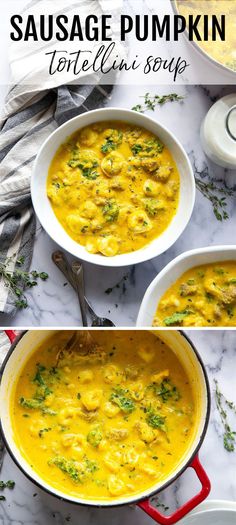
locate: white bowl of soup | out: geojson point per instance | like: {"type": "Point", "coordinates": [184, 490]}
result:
{"type": "Point", "coordinates": [106, 417]}
{"type": "Point", "coordinates": [197, 288]}
{"type": "Point", "coordinates": [113, 187]}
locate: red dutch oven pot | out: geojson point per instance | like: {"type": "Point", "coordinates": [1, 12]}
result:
{"type": "Point", "coordinates": [22, 346]}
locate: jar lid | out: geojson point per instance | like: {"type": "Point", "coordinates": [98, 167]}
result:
{"type": "Point", "coordinates": [231, 122]}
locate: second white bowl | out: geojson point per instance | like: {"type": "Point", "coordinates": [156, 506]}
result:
{"type": "Point", "coordinates": [173, 271]}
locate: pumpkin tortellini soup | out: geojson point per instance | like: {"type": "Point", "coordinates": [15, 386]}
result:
{"type": "Point", "coordinates": [202, 296]}
{"type": "Point", "coordinates": [104, 416]}
{"type": "Point", "coordinates": [114, 187]}
{"type": "Point", "coordinates": [223, 51]}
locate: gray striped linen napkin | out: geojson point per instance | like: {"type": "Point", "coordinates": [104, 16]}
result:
{"type": "Point", "coordinates": [31, 114]}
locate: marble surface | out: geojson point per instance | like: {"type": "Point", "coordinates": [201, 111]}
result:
{"type": "Point", "coordinates": [27, 505]}
{"type": "Point", "coordinates": [55, 304]}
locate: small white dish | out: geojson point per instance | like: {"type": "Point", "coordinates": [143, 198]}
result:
{"type": "Point", "coordinates": [173, 271]}
{"type": "Point", "coordinates": [211, 512]}
{"type": "Point", "coordinates": [46, 214]}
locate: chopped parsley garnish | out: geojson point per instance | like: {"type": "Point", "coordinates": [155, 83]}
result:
{"type": "Point", "coordinates": [166, 390]}
{"type": "Point", "coordinates": [112, 141]}
{"type": "Point", "coordinates": [111, 211]}
{"type": "Point", "coordinates": [43, 430]}
{"type": "Point", "coordinates": [67, 466]}
{"type": "Point", "coordinates": [94, 437]}
{"type": "Point", "coordinates": [89, 173]}
{"type": "Point", "coordinates": [154, 420]}
{"type": "Point", "coordinates": [136, 148]}
{"type": "Point", "coordinates": [121, 398]}
{"type": "Point", "coordinates": [176, 318]}
{"type": "Point", "coordinates": [151, 206]}
{"type": "Point", "coordinates": [70, 467]}
{"type": "Point", "coordinates": [30, 403]}
{"type": "Point", "coordinates": [38, 378]}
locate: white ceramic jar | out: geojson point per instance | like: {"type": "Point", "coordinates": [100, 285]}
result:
{"type": "Point", "coordinates": [218, 132]}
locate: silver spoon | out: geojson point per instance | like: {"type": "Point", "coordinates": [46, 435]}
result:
{"type": "Point", "coordinates": [62, 263]}
{"type": "Point", "coordinates": [77, 270]}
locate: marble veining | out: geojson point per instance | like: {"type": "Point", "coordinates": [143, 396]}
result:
{"type": "Point", "coordinates": [28, 505]}
{"type": "Point", "coordinates": [54, 303]}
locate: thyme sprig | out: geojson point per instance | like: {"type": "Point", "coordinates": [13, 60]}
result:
{"type": "Point", "coordinates": [152, 101]}
{"type": "Point", "coordinates": [6, 485]}
{"type": "Point", "coordinates": [229, 436]}
{"type": "Point", "coordinates": [216, 195]}
{"type": "Point", "coordinates": [17, 280]}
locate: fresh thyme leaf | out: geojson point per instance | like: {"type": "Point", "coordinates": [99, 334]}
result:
{"type": "Point", "coordinates": [20, 260]}
{"type": "Point", "coordinates": [215, 191]}
{"type": "Point", "coordinates": [43, 276]}
{"type": "Point", "coordinates": [158, 504]}
{"type": "Point", "coordinates": [7, 484]}
{"type": "Point", "coordinates": [229, 436]}
{"type": "Point", "coordinates": [152, 101]}
{"type": "Point", "coordinates": [17, 279]}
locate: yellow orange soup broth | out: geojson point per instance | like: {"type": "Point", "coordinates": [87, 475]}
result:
{"type": "Point", "coordinates": [119, 452]}
{"type": "Point", "coordinates": [222, 51]}
{"type": "Point", "coordinates": [113, 188]}
{"type": "Point", "coordinates": [203, 296]}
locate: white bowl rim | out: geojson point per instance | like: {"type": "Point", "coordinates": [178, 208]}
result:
{"type": "Point", "coordinates": [209, 507]}
{"type": "Point", "coordinates": [214, 505]}
{"type": "Point", "coordinates": [142, 254]}
{"type": "Point", "coordinates": [220, 249]}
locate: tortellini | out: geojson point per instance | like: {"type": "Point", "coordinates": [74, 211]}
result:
{"type": "Point", "coordinates": [139, 222]}
{"type": "Point", "coordinates": [92, 399]}
{"type": "Point", "coordinates": [87, 137]}
{"type": "Point", "coordinates": [108, 246]}
{"type": "Point", "coordinates": [112, 164]}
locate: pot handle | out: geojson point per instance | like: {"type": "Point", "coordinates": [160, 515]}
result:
{"type": "Point", "coordinates": [188, 506]}
{"type": "Point", "coordinates": [11, 334]}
